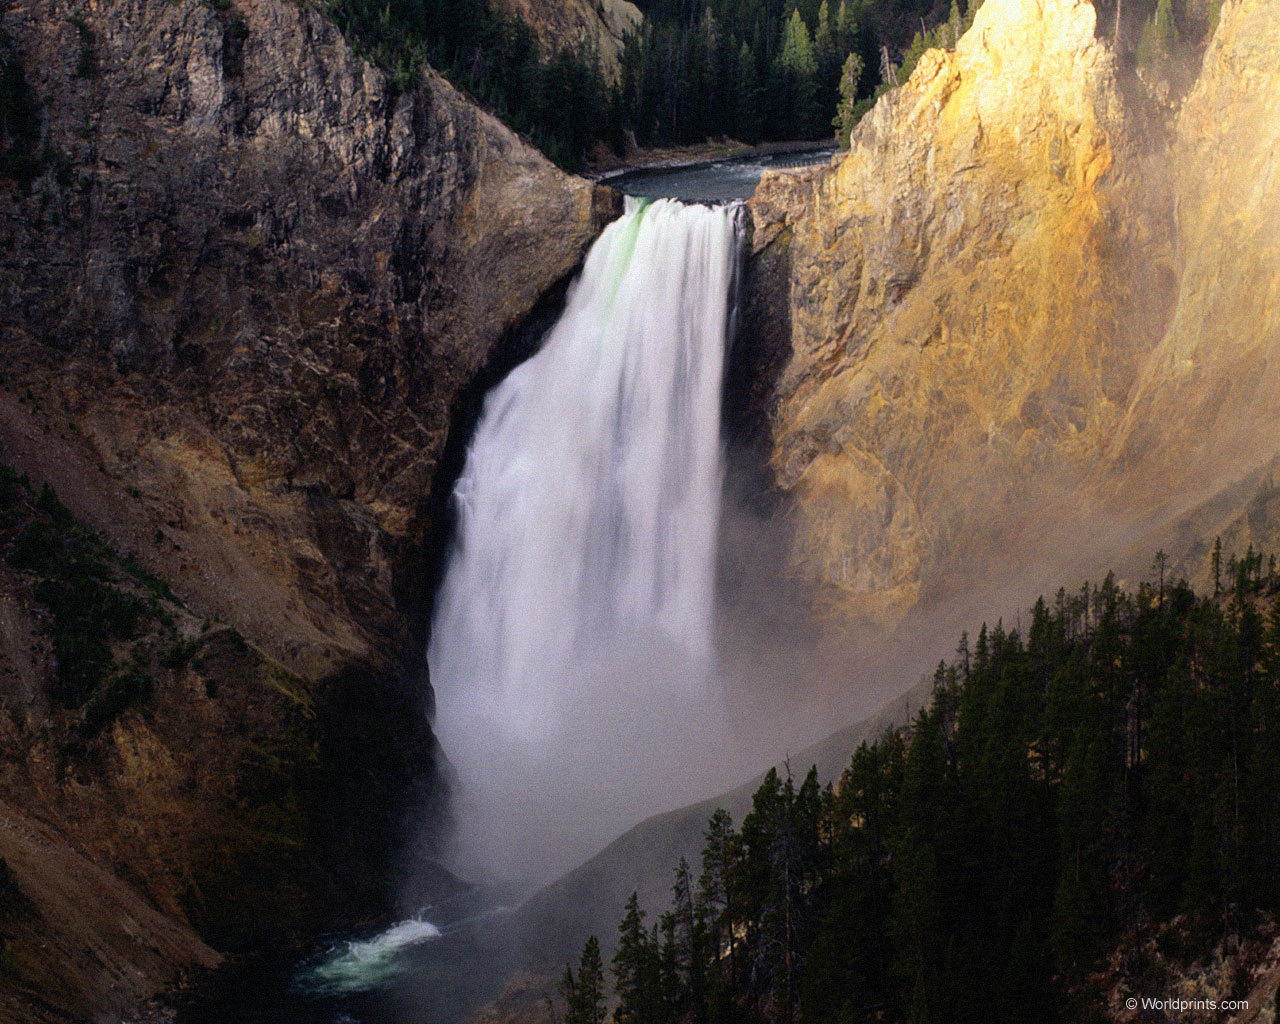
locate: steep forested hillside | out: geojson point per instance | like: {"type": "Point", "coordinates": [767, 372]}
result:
{"type": "Point", "coordinates": [1109, 774]}
{"type": "Point", "coordinates": [793, 69]}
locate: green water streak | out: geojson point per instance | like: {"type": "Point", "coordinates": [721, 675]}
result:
{"type": "Point", "coordinates": [622, 254]}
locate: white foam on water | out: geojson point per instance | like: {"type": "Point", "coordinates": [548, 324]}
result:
{"type": "Point", "coordinates": [360, 966]}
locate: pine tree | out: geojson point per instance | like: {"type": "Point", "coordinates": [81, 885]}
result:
{"type": "Point", "coordinates": [721, 857]}
{"type": "Point", "coordinates": [797, 53]}
{"type": "Point", "coordinates": [1159, 37]}
{"type": "Point", "coordinates": [1262, 830]}
{"type": "Point", "coordinates": [690, 939]}
{"type": "Point", "coordinates": [1124, 765]}
{"type": "Point", "coordinates": [824, 39]}
{"type": "Point", "coordinates": [888, 69]}
{"type": "Point", "coordinates": [672, 994]}
{"type": "Point", "coordinates": [845, 118]}
{"type": "Point", "coordinates": [635, 970]}
{"type": "Point", "coordinates": [1158, 565]}
{"type": "Point", "coordinates": [846, 27]}
{"type": "Point", "coordinates": [798, 67]}
{"type": "Point", "coordinates": [748, 116]}
{"type": "Point", "coordinates": [918, 921]}
{"type": "Point", "coordinates": [1165, 30]}
{"type": "Point", "coordinates": [568, 992]}
{"type": "Point", "coordinates": [970, 12]}
{"type": "Point", "coordinates": [1080, 912]}
{"type": "Point", "coordinates": [586, 996]}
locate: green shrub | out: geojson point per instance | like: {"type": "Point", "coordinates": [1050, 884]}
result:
{"type": "Point", "coordinates": [157, 587]}
{"type": "Point", "coordinates": [49, 503]}
{"type": "Point", "coordinates": [91, 606]}
{"type": "Point", "coordinates": [8, 487]}
{"type": "Point", "coordinates": [82, 660]}
{"type": "Point", "coordinates": [123, 612]}
{"type": "Point", "coordinates": [87, 62]}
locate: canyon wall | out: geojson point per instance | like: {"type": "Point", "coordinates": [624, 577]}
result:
{"type": "Point", "coordinates": [1024, 321]}
{"type": "Point", "coordinates": [248, 292]}
{"type": "Point", "coordinates": [1205, 405]}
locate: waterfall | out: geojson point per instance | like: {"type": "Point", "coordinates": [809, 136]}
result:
{"type": "Point", "coordinates": [575, 619]}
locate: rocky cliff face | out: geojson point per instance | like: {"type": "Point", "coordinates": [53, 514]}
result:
{"type": "Point", "coordinates": [283, 275]}
{"type": "Point", "coordinates": [248, 292]}
{"type": "Point", "coordinates": [1025, 306]}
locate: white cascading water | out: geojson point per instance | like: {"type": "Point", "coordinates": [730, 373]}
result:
{"type": "Point", "coordinates": [571, 649]}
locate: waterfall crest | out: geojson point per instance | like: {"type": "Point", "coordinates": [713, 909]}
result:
{"type": "Point", "coordinates": [579, 598]}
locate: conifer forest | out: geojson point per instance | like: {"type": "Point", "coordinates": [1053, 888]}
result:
{"type": "Point", "coordinates": [1111, 767]}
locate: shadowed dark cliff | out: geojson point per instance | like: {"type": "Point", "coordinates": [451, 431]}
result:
{"type": "Point", "coordinates": [247, 292]}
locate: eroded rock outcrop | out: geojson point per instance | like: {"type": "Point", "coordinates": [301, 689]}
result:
{"type": "Point", "coordinates": [989, 298]}
{"type": "Point", "coordinates": [248, 292]}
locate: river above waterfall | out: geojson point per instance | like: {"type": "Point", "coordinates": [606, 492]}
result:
{"type": "Point", "coordinates": [721, 181]}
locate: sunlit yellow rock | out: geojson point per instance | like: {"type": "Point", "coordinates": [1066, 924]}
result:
{"type": "Point", "coordinates": [1015, 302]}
